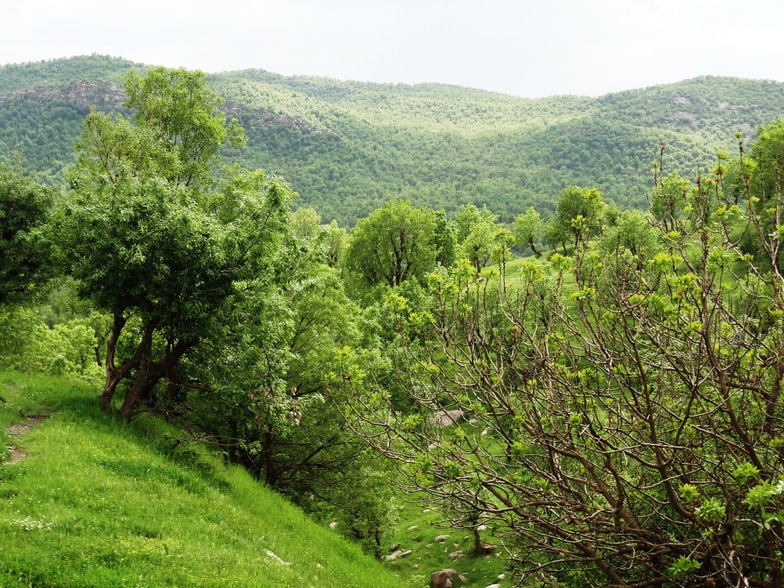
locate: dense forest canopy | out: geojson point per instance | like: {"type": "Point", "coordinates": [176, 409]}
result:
{"type": "Point", "coordinates": [347, 147]}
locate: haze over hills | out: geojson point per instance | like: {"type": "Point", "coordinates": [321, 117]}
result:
{"type": "Point", "coordinates": [346, 147]}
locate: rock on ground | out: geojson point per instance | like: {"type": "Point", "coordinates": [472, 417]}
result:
{"type": "Point", "coordinates": [442, 578]}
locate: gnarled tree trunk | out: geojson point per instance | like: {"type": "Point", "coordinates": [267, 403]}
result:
{"type": "Point", "coordinates": [151, 373]}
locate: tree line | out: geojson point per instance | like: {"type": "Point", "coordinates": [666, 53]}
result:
{"type": "Point", "coordinates": [349, 147]}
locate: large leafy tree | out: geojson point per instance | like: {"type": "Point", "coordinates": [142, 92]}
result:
{"type": "Point", "coordinates": [578, 216]}
{"type": "Point", "coordinates": [528, 230]}
{"type": "Point", "coordinates": [482, 241]}
{"type": "Point", "coordinates": [150, 239]}
{"type": "Point", "coordinates": [470, 215]}
{"type": "Point", "coordinates": [269, 394]}
{"type": "Point", "coordinates": [24, 258]}
{"type": "Point", "coordinates": [395, 243]}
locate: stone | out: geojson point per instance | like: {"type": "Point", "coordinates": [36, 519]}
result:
{"type": "Point", "coordinates": [441, 538]}
{"type": "Point", "coordinates": [394, 547]}
{"type": "Point", "coordinates": [271, 555]}
{"type": "Point", "coordinates": [494, 586]}
{"type": "Point", "coordinates": [445, 418]}
{"type": "Point", "coordinates": [333, 524]}
{"type": "Point", "coordinates": [442, 578]}
{"type": "Point", "coordinates": [455, 554]}
{"type": "Point", "coordinates": [395, 555]}
{"type": "Point", "coordinates": [463, 577]}
{"type": "Point", "coordinates": [412, 527]}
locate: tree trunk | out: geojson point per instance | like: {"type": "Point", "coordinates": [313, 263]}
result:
{"type": "Point", "coordinates": [150, 374]}
{"type": "Point", "coordinates": [271, 472]}
{"type": "Point", "coordinates": [479, 547]}
{"type": "Point", "coordinates": [114, 374]}
{"type": "Point", "coordinates": [534, 248]}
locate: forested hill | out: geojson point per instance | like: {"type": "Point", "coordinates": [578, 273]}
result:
{"type": "Point", "coordinates": [347, 146]}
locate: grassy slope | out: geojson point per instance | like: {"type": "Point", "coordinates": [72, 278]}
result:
{"type": "Point", "coordinates": [98, 503]}
{"type": "Point", "coordinates": [417, 531]}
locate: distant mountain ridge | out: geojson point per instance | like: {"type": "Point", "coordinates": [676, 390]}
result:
{"type": "Point", "coordinates": [347, 147]}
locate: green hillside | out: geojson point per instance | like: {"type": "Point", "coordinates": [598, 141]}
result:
{"type": "Point", "coordinates": [346, 147]}
{"type": "Point", "coordinates": [97, 503]}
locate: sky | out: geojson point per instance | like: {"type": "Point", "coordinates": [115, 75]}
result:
{"type": "Point", "coordinates": [529, 48]}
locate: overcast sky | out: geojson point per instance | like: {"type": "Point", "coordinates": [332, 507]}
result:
{"type": "Point", "coordinates": [525, 47]}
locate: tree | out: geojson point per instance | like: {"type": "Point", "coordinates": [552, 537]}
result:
{"type": "Point", "coordinates": [182, 112]}
{"type": "Point", "coordinates": [627, 406]}
{"type": "Point", "coordinates": [395, 243]}
{"type": "Point", "coordinates": [24, 257]}
{"type": "Point", "coordinates": [763, 185]}
{"type": "Point", "coordinates": [528, 230]}
{"type": "Point", "coordinates": [468, 216]}
{"type": "Point", "coordinates": [149, 238]}
{"type": "Point", "coordinates": [669, 199]}
{"type": "Point", "coordinates": [335, 244]}
{"type": "Point", "coordinates": [305, 224]}
{"type": "Point", "coordinates": [477, 247]}
{"type": "Point", "coordinates": [269, 394]}
{"type": "Point", "coordinates": [446, 240]}
{"type": "Point", "coordinates": [632, 233]}
{"type": "Point", "coordinates": [578, 214]}
{"type": "Point", "coordinates": [486, 241]}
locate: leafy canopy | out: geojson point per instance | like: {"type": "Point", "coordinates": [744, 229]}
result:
{"type": "Point", "coordinates": [395, 243]}
{"type": "Point", "coordinates": [152, 234]}
{"type": "Point", "coordinates": [24, 254]}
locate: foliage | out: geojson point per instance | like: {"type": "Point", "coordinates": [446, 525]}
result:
{"type": "Point", "coordinates": [529, 230]}
{"type": "Point", "coordinates": [395, 243]}
{"type": "Point", "coordinates": [445, 240]}
{"type": "Point", "coordinates": [578, 214]}
{"type": "Point", "coordinates": [68, 348]}
{"type": "Point", "coordinates": [262, 389]}
{"type": "Point", "coordinates": [181, 111]}
{"type": "Point", "coordinates": [620, 415]}
{"type": "Point", "coordinates": [150, 239]}
{"type": "Point", "coordinates": [632, 235]}
{"type": "Point", "coordinates": [469, 216]}
{"type": "Point", "coordinates": [476, 233]}
{"type": "Point", "coordinates": [348, 147]}
{"type": "Point", "coordinates": [24, 255]}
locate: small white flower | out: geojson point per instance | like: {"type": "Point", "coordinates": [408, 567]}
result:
{"type": "Point", "coordinates": [31, 524]}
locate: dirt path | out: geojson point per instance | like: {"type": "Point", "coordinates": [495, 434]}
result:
{"type": "Point", "coordinates": [17, 454]}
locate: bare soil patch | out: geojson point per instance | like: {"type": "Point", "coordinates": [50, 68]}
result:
{"type": "Point", "coordinates": [17, 454]}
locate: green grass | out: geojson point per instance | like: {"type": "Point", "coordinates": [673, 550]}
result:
{"type": "Point", "coordinates": [430, 555]}
{"type": "Point", "coordinates": [99, 503]}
